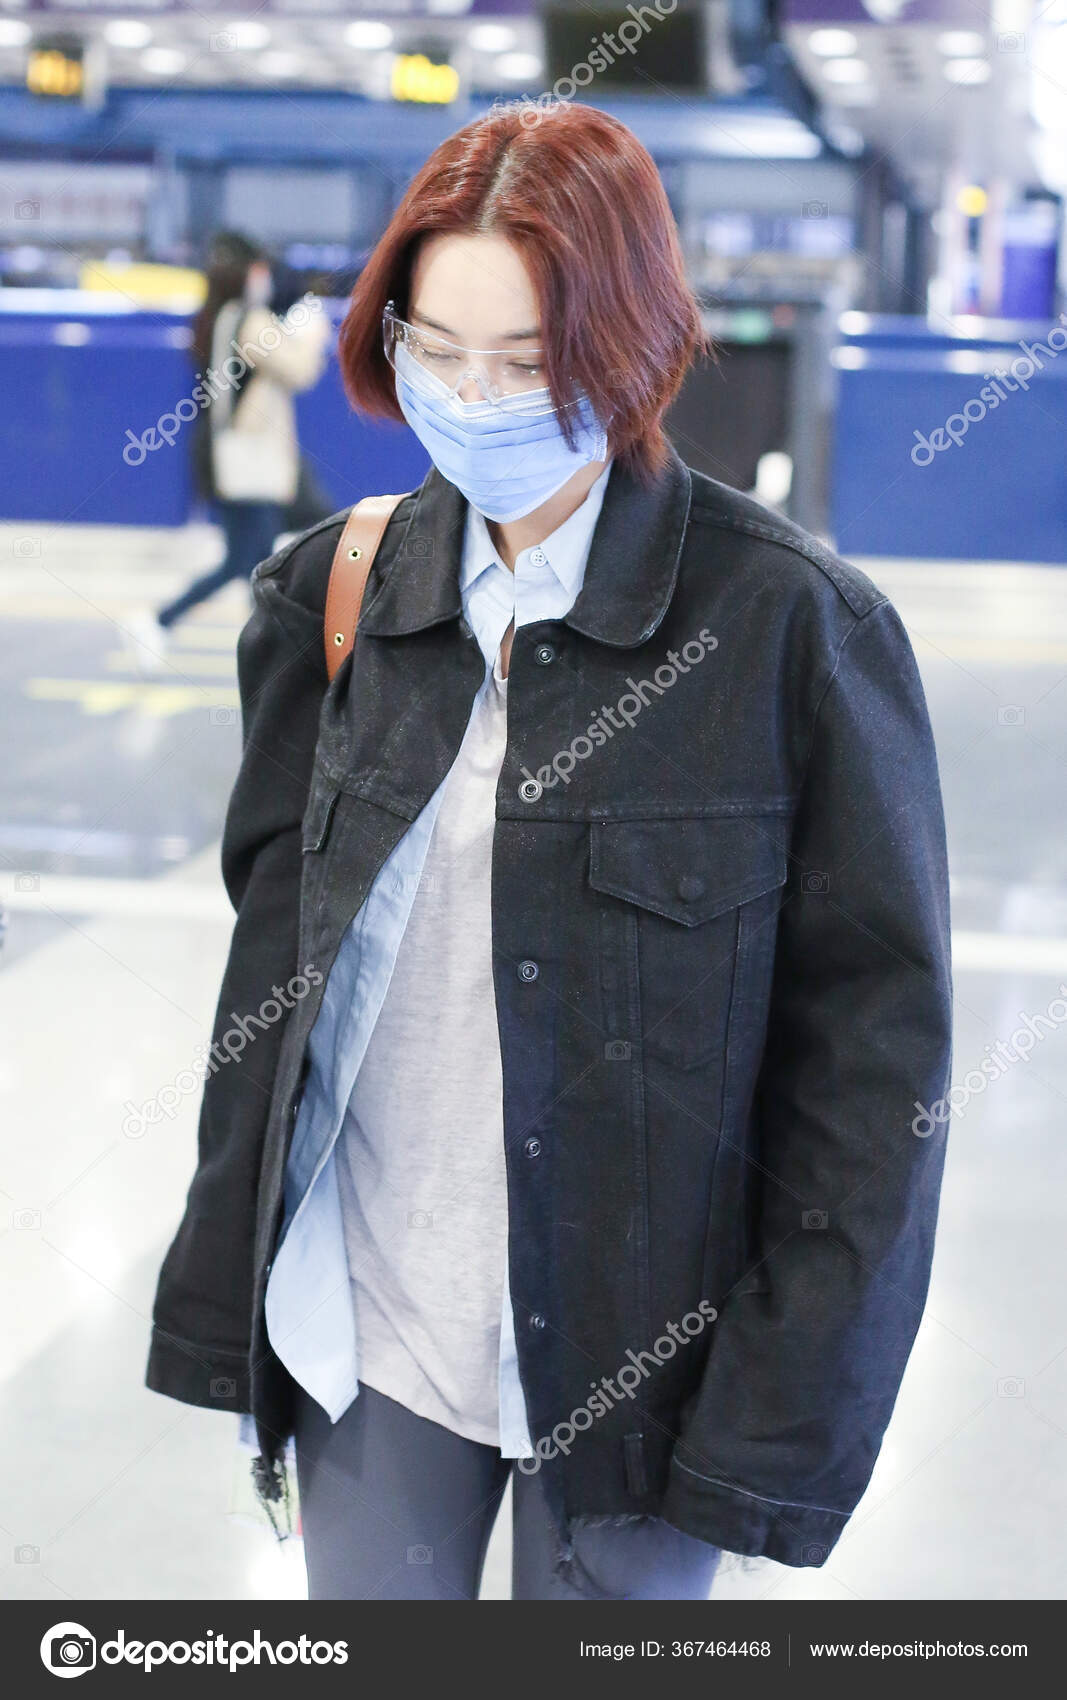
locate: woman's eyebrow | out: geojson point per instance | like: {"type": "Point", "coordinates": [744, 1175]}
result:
{"type": "Point", "coordinates": [510, 336]}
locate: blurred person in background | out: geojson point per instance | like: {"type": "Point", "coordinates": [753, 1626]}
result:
{"type": "Point", "coordinates": [312, 502]}
{"type": "Point", "coordinates": [605, 890]}
{"type": "Point", "coordinates": [247, 464]}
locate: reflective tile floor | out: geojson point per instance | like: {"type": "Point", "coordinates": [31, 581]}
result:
{"type": "Point", "coordinates": [111, 799]}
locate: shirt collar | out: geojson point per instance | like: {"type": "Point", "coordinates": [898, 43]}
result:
{"type": "Point", "coordinates": [563, 554]}
{"type": "Point", "coordinates": [415, 579]}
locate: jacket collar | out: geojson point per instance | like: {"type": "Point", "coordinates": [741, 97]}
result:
{"type": "Point", "coordinates": [629, 578]}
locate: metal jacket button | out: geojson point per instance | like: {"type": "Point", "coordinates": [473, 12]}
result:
{"type": "Point", "coordinates": [537, 1320]}
{"type": "Point", "coordinates": [530, 790]}
{"type": "Point", "coordinates": [528, 970]}
{"type": "Point", "coordinates": [690, 886]}
{"type": "Point", "coordinates": [544, 653]}
{"type": "Point", "coordinates": [532, 1147]}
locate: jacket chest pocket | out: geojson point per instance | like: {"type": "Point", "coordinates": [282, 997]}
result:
{"type": "Point", "coordinates": [697, 900]}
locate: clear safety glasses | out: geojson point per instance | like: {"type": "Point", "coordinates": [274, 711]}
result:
{"type": "Point", "coordinates": [511, 379]}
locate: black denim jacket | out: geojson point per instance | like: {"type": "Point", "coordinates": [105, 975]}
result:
{"type": "Point", "coordinates": [719, 841]}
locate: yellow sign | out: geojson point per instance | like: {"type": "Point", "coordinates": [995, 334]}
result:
{"type": "Point", "coordinates": [177, 287]}
{"type": "Point", "coordinates": [415, 77]}
{"type": "Point", "coordinates": [52, 71]}
{"type": "Point", "coordinates": [972, 200]}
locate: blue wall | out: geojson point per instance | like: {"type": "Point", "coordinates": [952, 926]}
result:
{"type": "Point", "coordinates": [79, 383]}
{"type": "Point", "coordinates": [998, 493]}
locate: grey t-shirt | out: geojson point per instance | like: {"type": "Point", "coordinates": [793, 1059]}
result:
{"type": "Point", "coordinates": [420, 1166]}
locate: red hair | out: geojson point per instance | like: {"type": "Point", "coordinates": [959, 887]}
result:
{"type": "Point", "coordinates": [582, 201]}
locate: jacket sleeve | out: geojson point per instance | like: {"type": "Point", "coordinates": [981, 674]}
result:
{"type": "Point", "coordinates": [809, 1349]}
{"type": "Point", "coordinates": [202, 1317]}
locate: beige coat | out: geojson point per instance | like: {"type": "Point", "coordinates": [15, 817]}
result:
{"type": "Point", "coordinates": [284, 355]}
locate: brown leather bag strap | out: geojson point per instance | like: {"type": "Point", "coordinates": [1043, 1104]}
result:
{"type": "Point", "coordinates": [353, 558]}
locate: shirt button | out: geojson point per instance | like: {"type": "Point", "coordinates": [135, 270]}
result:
{"type": "Point", "coordinates": [532, 1147]}
{"type": "Point", "coordinates": [537, 1320]}
{"type": "Point", "coordinates": [690, 887]}
{"type": "Point", "coordinates": [530, 790]}
{"type": "Point", "coordinates": [538, 557]}
{"type": "Point", "coordinates": [543, 654]}
{"type": "Point", "coordinates": [528, 971]}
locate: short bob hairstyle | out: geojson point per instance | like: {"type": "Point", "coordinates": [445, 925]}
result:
{"type": "Point", "coordinates": [582, 200]}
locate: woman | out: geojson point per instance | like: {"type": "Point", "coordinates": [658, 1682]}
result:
{"type": "Point", "coordinates": [582, 1150]}
{"type": "Point", "coordinates": [246, 459]}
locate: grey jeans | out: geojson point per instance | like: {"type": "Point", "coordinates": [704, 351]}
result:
{"type": "Point", "coordinates": [394, 1507]}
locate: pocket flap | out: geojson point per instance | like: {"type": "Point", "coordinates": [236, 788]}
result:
{"type": "Point", "coordinates": [318, 815]}
{"type": "Point", "coordinates": [689, 870]}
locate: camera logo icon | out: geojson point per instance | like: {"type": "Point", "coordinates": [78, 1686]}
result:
{"type": "Point", "coordinates": [68, 1649]}
{"type": "Point", "coordinates": [1011, 1387]}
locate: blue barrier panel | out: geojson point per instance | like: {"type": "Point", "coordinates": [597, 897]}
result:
{"type": "Point", "coordinates": [925, 466]}
{"type": "Point", "coordinates": [907, 330]}
{"type": "Point", "coordinates": [85, 383]}
{"type": "Point", "coordinates": [75, 384]}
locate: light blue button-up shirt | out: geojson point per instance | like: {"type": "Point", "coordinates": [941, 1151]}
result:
{"type": "Point", "coordinates": [309, 1310]}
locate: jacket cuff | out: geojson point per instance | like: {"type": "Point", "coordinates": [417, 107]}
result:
{"type": "Point", "coordinates": [211, 1376]}
{"type": "Point", "coordinates": [746, 1523]}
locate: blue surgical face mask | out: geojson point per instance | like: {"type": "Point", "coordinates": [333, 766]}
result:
{"type": "Point", "coordinates": [506, 459]}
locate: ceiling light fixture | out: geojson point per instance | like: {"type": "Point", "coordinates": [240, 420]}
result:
{"type": "Point", "coordinates": [491, 38]}
{"type": "Point", "coordinates": [518, 67]}
{"type": "Point", "coordinates": [967, 71]}
{"type": "Point", "coordinates": [961, 44]}
{"type": "Point", "coordinates": [366, 33]}
{"type": "Point", "coordinates": [162, 61]}
{"type": "Point", "coordinates": [846, 71]}
{"type": "Point", "coordinates": [247, 36]}
{"type": "Point", "coordinates": [832, 44]}
{"type": "Point", "coordinates": [127, 32]}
